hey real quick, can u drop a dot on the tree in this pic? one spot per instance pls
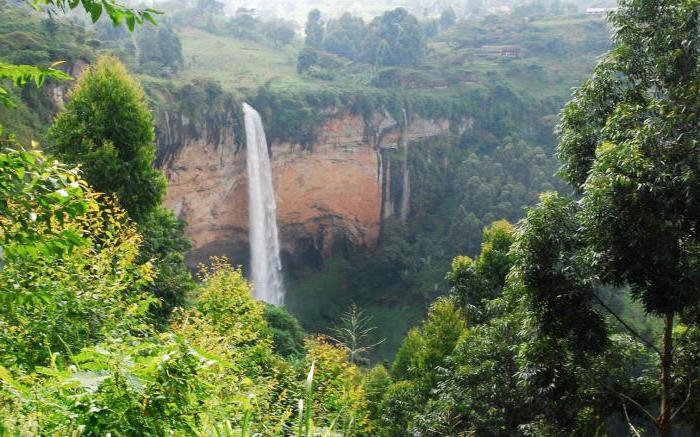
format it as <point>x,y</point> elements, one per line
<point>67,253</point>
<point>160,51</point>
<point>164,244</point>
<point>210,9</point>
<point>279,32</point>
<point>475,282</point>
<point>395,38</point>
<point>314,30</point>
<point>307,59</point>
<point>629,146</point>
<point>108,129</point>
<point>424,355</point>
<point>448,18</point>
<point>344,36</point>
<point>431,28</point>
<point>170,48</point>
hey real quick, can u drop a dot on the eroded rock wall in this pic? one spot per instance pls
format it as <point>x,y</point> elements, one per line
<point>331,195</point>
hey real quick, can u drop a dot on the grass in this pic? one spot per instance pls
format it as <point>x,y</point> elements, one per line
<point>235,63</point>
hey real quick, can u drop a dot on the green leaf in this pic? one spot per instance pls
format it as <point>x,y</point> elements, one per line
<point>130,22</point>
<point>148,17</point>
<point>95,12</point>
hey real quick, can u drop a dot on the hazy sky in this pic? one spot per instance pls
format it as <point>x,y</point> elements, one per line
<point>298,9</point>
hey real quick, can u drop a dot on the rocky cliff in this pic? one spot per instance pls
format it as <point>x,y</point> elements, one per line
<point>331,195</point>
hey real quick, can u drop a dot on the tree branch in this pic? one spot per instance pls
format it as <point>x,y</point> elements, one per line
<point>636,404</point>
<point>687,398</point>
<point>628,327</point>
<point>629,422</point>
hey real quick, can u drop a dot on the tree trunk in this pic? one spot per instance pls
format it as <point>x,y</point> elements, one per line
<point>664,419</point>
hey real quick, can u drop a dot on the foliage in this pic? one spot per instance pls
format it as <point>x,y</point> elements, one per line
<point>20,75</point>
<point>151,387</point>
<point>78,354</point>
<point>307,59</point>
<point>338,383</point>
<point>108,129</point>
<point>395,38</point>
<point>164,243</point>
<point>632,159</point>
<point>229,325</point>
<point>448,18</point>
<point>67,255</point>
<point>28,41</point>
<point>226,303</point>
<point>314,29</point>
<point>344,36</point>
<point>35,194</point>
<point>503,376</point>
<point>377,381</point>
<point>287,333</point>
<point>287,117</point>
<point>115,11</point>
<point>160,51</point>
<point>246,25</point>
<point>475,282</point>
<point>352,333</point>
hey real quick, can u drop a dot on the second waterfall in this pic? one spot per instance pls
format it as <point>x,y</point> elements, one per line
<point>264,242</point>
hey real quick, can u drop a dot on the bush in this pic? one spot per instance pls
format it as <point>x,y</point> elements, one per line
<point>287,334</point>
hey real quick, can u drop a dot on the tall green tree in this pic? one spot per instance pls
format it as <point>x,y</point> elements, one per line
<point>344,36</point>
<point>107,129</point>
<point>395,38</point>
<point>314,30</point>
<point>630,146</point>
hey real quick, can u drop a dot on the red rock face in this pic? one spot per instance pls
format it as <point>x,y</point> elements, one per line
<point>326,194</point>
<point>329,193</point>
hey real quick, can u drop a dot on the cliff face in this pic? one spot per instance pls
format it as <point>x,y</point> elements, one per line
<point>330,196</point>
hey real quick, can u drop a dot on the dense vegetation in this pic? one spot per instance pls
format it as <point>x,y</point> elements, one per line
<point>84,347</point>
<point>580,319</point>
<point>395,38</point>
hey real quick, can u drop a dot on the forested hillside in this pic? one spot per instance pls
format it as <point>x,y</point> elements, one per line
<point>487,220</point>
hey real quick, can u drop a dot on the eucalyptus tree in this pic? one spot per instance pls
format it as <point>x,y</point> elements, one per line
<point>630,147</point>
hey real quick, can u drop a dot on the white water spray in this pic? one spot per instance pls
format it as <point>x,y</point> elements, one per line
<point>264,242</point>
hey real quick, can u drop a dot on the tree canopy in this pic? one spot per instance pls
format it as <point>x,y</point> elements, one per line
<point>108,129</point>
<point>629,146</point>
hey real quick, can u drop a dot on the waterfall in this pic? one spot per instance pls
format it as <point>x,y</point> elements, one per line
<point>406,188</point>
<point>264,243</point>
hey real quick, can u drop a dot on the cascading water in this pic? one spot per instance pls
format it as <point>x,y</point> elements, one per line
<point>264,242</point>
